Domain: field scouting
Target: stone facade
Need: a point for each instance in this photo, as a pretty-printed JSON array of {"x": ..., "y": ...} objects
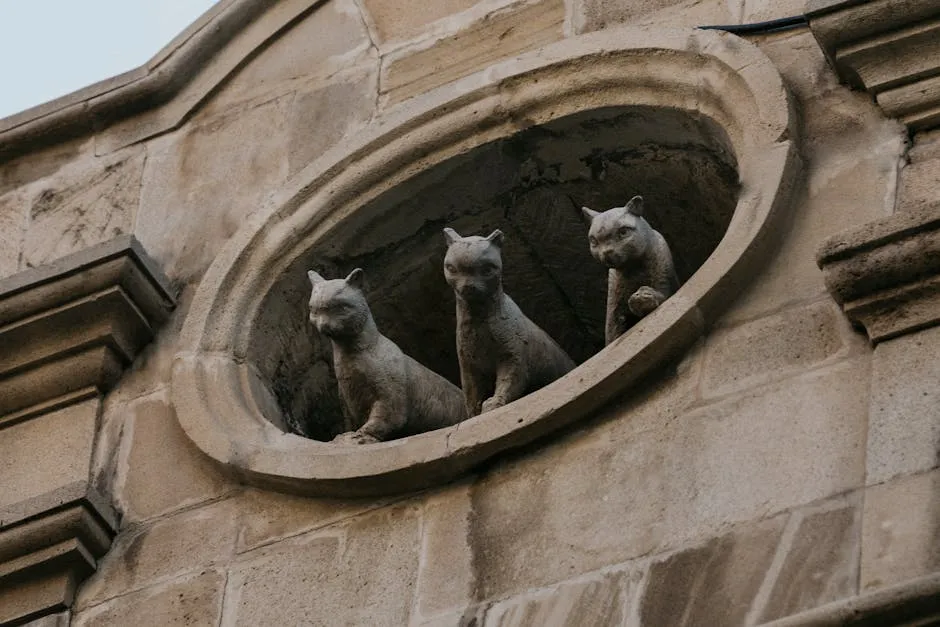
[{"x": 762, "y": 449}]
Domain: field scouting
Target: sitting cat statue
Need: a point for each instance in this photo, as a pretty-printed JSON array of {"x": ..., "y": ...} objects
[
  {"x": 641, "y": 274},
  {"x": 503, "y": 355},
  {"x": 382, "y": 389}
]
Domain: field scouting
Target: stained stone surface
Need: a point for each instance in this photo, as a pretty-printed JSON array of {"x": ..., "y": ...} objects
[
  {"x": 596, "y": 602},
  {"x": 13, "y": 219},
  {"x": 194, "y": 600},
  {"x": 185, "y": 181},
  {"x": 531, "y": 187},
  {"x": 713, "y": 584},
  {"x": 155, "y": 441},
  {"x": 591, "y": 15},
  {"x": 900, "y": 530},
  {"x": 325, "y": 41},
  {"x": 662, "y": 485},
  {"x": 821, "y": 563},
  {"x": 362, "y": 574},
  {"x": 400, "y": 19},
  {"x": 502, "y": 34},
  {"x": 322, "y": 116},
  {"x": 82, "y": 205}
]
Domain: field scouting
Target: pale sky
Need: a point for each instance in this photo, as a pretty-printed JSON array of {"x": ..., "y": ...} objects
[{"x": 49, "y": 48}]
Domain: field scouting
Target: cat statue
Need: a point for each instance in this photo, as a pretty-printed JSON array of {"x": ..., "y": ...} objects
[
  {"x": 503, "y": 355},
  {"x": 387, "y": 392},
  {"x": 641, "y": 274}
]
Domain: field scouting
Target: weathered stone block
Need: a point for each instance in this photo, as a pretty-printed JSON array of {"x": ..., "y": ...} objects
[
  {"x": 498, "y": 36},
  {"x": 592, "y": 15},
  {"x": 666, "y": 483},
  {"x": 191, "y": 541},
  {"x": 920, "y": 177},
  {"x": 331, "y": 38},
  {"x": 761, "y": 10},
  {"x": 156, "y": 446},
  {"x": 401, "y": 19},
  {"x": 266, "y": 517},
  {"x": 80, "y": 207},
  {"x": 596, "y": 601},
  {"x": 820, "y": 560},
  {"x": 446, "y": 578},
  {"x": 13, "y": 218},
  {"x": 194, "y": 600},
  {"x": 322, "y": 117},
  {"x": 901, "y": 530},
  {"x": 904, "y": 426},
  {"x": 775, "y": 346},
  {"x": 713, "y": 584},
  {"x": 62, "y": 439},
  {"x": 362, "y": 574},
  {"x": 193, "y": 199}
]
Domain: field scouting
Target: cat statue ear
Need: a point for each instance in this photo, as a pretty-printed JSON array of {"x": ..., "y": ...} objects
[
  {"x": 451, "y": 235},
  {"x": 314, "y": 277},
  {"x": 496, "y": 238},
  {"x": 356, "y": 278},
  {"x": 635, "y": 206},
  {"x": 590, "y": 214}
]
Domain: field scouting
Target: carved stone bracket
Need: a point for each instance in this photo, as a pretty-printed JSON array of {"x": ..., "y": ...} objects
[
  {"x": 67, "y": 332},
  {"x": 889, "y": 48},
  {"x": 886, "y": 274}
]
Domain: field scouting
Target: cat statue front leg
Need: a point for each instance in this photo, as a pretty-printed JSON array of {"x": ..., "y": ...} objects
[
  {"x": 644, "y": 301},
  {"x": 510, "y": 385}
]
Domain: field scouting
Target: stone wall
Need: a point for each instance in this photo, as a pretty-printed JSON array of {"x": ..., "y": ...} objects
[{"x": 782, "y": 464}]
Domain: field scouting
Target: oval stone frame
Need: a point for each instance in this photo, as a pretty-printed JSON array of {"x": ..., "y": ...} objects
[{"x": 215, "y": 390}]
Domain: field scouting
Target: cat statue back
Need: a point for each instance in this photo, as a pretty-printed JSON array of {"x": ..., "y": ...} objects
[
  {"x": 641, "y": 275},
  {"x": 383, "y": 390},
  {"x": 503, "y": 355}
]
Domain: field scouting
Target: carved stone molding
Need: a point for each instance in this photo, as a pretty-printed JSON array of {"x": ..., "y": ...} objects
[
  {"x": 889, "y": 48},
  {"x": 67, "y": 332},
  {"x": 886, "y": 274},
  {"x": 74, "y": 325},
  {"x": 915, "y": 602},
  {"x": 225, "y": 403},
  {"x": 163, "y": 91}
]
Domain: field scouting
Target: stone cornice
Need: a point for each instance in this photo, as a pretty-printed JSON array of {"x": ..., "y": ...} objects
[
  {"x": 67, "y": 332},
  {"x": 169, "y": 86},
  {"x": 43, "y": 559},
  {"x": 74, "y": 325},
  {"x": 886, "y": 274},
  {"x": 889, "y": 48},
  {"x": 915, "y": 602}
]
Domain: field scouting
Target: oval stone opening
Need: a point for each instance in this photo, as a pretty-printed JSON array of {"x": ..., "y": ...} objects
[{"x": 530, "y": 185}]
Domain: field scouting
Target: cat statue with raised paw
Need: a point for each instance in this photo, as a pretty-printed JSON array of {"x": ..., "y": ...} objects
[
  {"x": 641, "y": 274},
  {"x": 503, "y": 355},
  {"x": 381, "y": 388}
]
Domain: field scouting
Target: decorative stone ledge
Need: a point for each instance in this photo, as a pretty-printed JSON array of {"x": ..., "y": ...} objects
[
  {"x": 67, "y": 331},
  {"x": 74, "y": 325},
  {"x": 889, "y": 48},
  {"x": 916, "y": 602},
  {"x": 886, "y": 274}
]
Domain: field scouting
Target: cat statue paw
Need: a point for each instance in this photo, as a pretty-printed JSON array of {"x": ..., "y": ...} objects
[
  {"x": 502, "y": 354},
  {"x": 381, "y": 388},
  {"x": 641, "y": 273}
]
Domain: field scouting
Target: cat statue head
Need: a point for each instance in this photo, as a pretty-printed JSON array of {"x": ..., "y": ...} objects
[
  {"x": 338, "y": 308},
  {"x": 619, "y": 235},
  {"x": 473, "y": 266}
]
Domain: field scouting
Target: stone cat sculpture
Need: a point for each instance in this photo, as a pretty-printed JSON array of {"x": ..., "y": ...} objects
[
  {"x": 503, "y": 355},
  {"x": 641, "y": 274},
  {"x": 381, "y": 388}
]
